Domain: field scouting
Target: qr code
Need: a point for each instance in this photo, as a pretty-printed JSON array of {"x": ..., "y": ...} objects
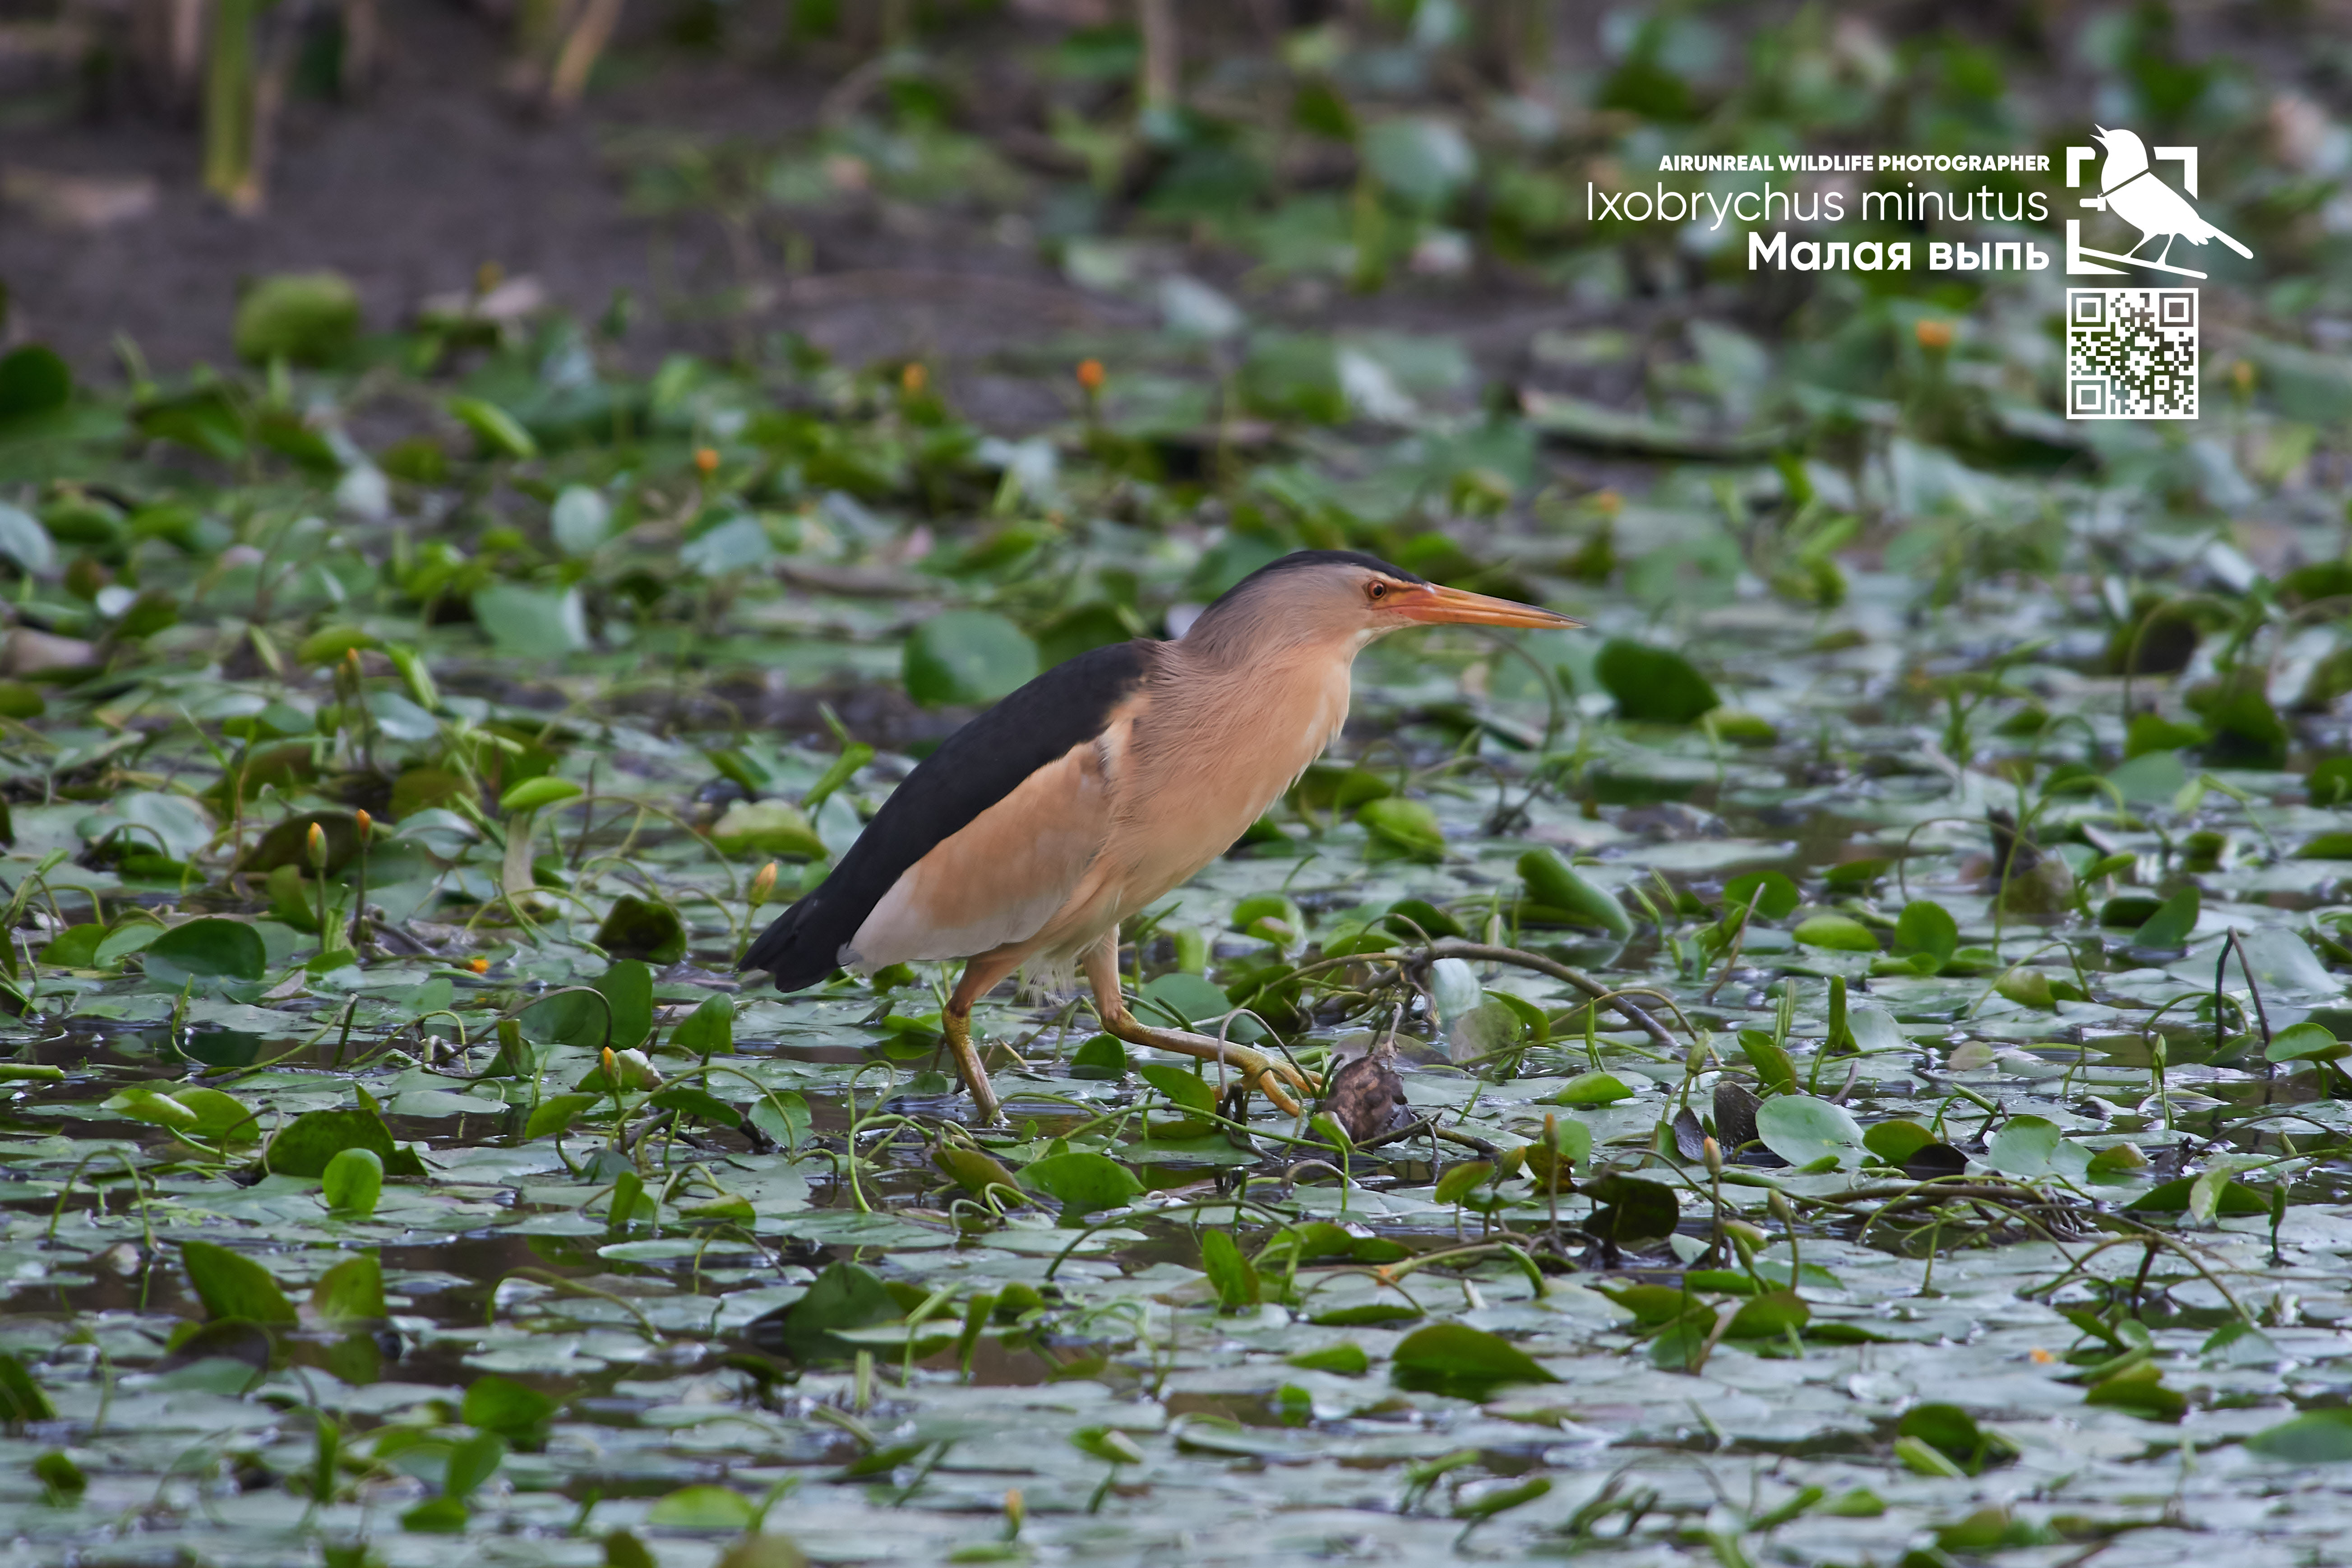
[{"x": 2131, "y": 354}]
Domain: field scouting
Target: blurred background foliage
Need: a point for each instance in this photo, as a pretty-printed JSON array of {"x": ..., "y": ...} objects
[{"x": 1194, "y": 284}]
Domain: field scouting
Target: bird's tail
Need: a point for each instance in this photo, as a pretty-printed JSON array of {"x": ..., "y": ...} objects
[{"x": 773, "y": 949}]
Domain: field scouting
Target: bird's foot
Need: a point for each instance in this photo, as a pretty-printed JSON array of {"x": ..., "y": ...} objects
[
  {"x": 957, "y": 1027},
  {"x": 1264, "y": 1073}
]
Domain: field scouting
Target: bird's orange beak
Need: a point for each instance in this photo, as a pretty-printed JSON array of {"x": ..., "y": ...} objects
[{"x": 1430, "y": 604}]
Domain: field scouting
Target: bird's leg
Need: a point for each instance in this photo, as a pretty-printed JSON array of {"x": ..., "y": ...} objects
[
  {"x": 1262, "y": 1072},
  {"x": 955, "y": 1021},
  {"x": 2166, "y": 254}
]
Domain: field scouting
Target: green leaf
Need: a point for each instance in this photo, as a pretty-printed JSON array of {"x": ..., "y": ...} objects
[
  {"x": 2153, "y": 732},
  {"x": 2173, "y": 921},
  {"x": 1653, "y": 685},
  {"x": 132, "y": 936},
  {"x": 1776, "y": 897},
  {"x": 2027, "y": 988},
  {"x": 471, "y": 1462},
  {"x": 1773, "y": 1069},
  {"x": 21, "y": 1398},
  {"x": 1458, "y": 1360},
  {"x": 515, "y": 1411},
  {"x": 76, "y": 947},
  {"x": 143, "y": 1102},
  {"x": 2032, "y": 1148},
  {"x": 1951, "y": 1434},
  {"x": 1571, "y": 1147},
  {"x": 1186, "y": 1090},
  {"x": 2140, "y": 1390},
  {"x": 1409, "y": 827},
  {"x": 306, "y": 317},
  {"x": 34, "y": 381},
  {"x": 1896, "y": 1142},
  {"x": 2235, "y": 1201},
  {"x": 1272, "y": 917},
  {"x": 698, "y": 1103},
  {"x": 1593, "y": 1088},
  {"x": 60, "y": 1477},
  {"x": 22, "y": 539},
  {"x": 1419, "y": 158},
  {"x": 967, "y": 656},
  {"x": 642, "y": 929},
  {"x": 1802, "y": 1128},
  {"x": 772, "y": 827},
  {"x": 231, "y": 1285},
  {"x": 580, "y": 520},
  {"x": 628, "y": 985},
  {"x": 211, "y": 948},
  {"x": 1462, "y": 1181},
  {"x": 1927, "y": 928},
  {"x": 1108, "y": 1444},
  {"x": 1770, "y": 1316},
  {"x": 1486, "y": 1504},
  {"x": 763, "y": 1551},
  {"x": 1230, "y": 1274},
  {"x": 557, "y": 1112},
  {"x": 2304, "y": 1042},
  {"x": 1347, "y": 1359},
  {"x": 497, "y": 433},
  {"x": 535, "y": 624},
  {"x": 844, "y": 1296},
  {"x": 2322, "y": 1438},
  {"x": 2117, "y": 1162},
  {"x": 352, "y": 1181},
  {"x": 1631, "y": 1209},
  {"x": 304, "y": 1145},
  {"x": 221, "y": 1116},
  {"x": 1837, "y": 932},
  {"x": 1557, "y": 886},
  {"x": 1082, "y": 1183},
  {"x": 532, "y": 794},
  {"x": 784, "y": 1115},
  {"x": 705, "y": 1509},
  {"x": 1101, "y": 1057},
  {"x": 2326, "y": 847},
  {"x": 328, "y": 645},
  {"x": 437, "y": 1516},
  {"x": 708, "y": 1030},
  {"x": 972, "y": 1169},
  {"x": 350, "y": 1293}
]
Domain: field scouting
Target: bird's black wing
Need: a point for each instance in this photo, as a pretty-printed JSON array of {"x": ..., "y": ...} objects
[{"x": 977, "y": 766}]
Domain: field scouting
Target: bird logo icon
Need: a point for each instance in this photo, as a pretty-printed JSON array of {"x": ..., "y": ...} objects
[{"x": 2130, "y": 189}]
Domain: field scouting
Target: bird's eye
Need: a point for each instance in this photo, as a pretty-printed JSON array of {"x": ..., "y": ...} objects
[{"x": 1379, "y": 591}]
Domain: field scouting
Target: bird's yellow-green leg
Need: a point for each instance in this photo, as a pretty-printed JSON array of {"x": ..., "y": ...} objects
[
  {"x": 1263, "y": 1072},
  {"x": 955, "y": 1021},
  {"x": 958, "y": 1028}
]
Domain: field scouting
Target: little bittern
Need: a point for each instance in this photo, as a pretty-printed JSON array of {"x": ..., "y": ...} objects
[{"x": 1074, "y": 803}]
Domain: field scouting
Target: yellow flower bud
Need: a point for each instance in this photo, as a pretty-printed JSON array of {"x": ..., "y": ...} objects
[
  {"x": 763, "y": 884},
  {"x": 366, "y": 823},
  {"x": 1713, "y": 1153},
  {"x": 1015, "y": 1510},
  {"x": 317, "y": 846},
  {"x": 1782, "y": 1209}
]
